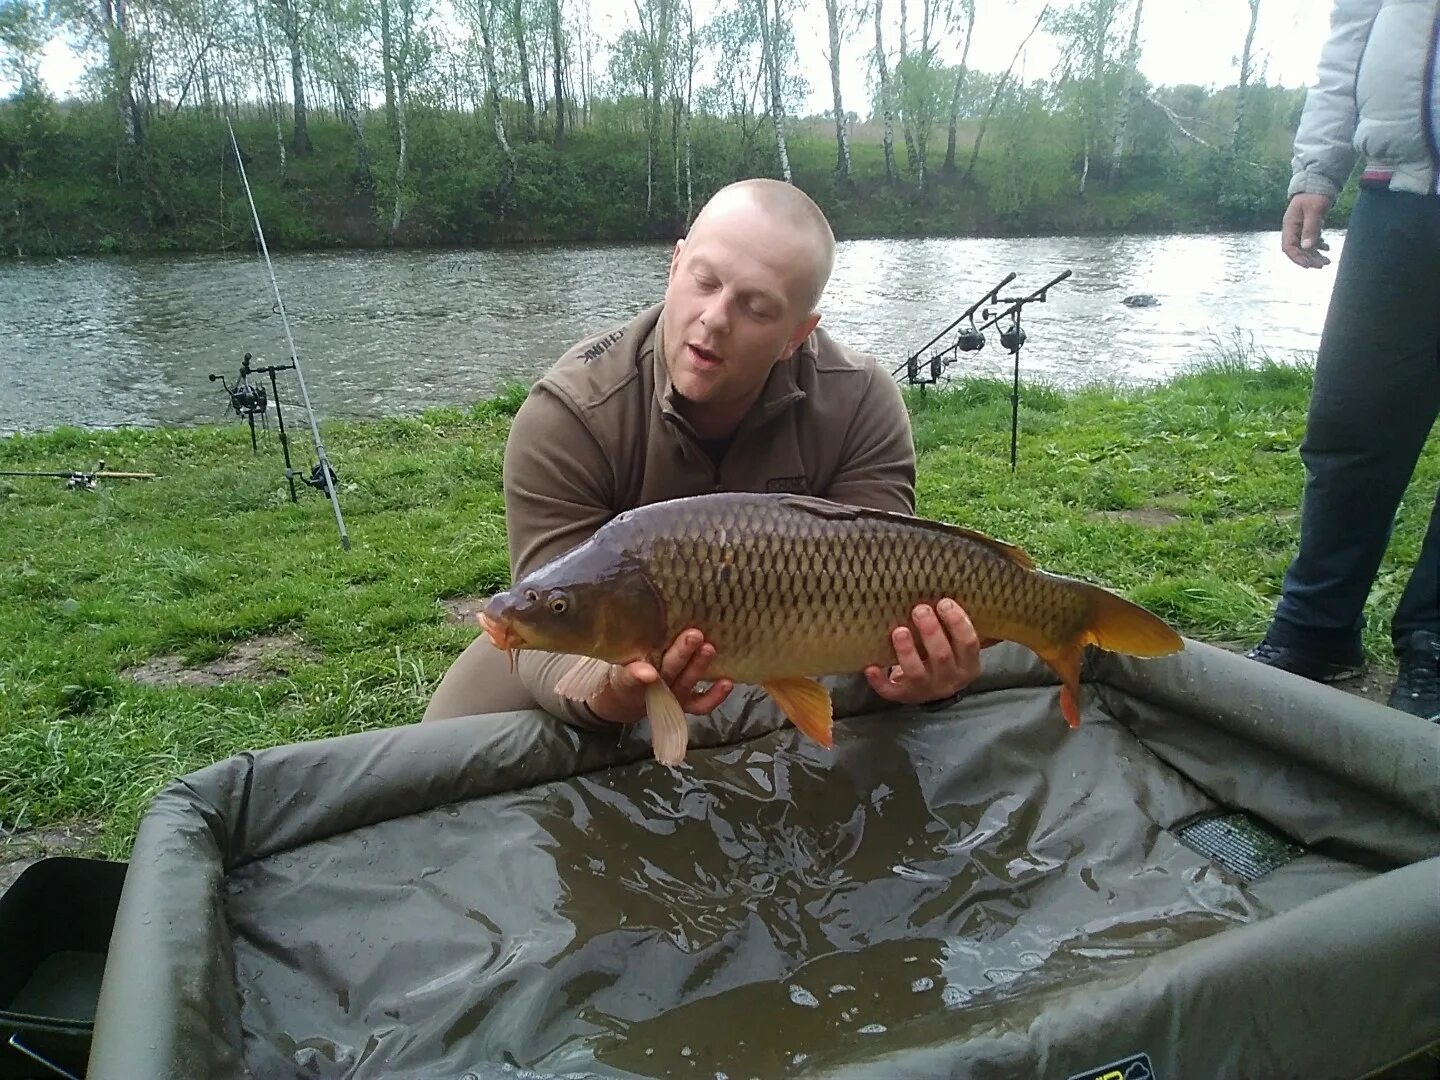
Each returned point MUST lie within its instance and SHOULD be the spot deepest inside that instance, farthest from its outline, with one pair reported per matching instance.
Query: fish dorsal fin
(844, 512)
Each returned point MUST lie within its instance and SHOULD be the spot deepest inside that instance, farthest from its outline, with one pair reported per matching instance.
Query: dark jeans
(1376, 397)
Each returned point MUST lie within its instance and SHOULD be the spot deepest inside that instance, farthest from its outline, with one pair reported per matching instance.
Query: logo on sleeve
(600, 347)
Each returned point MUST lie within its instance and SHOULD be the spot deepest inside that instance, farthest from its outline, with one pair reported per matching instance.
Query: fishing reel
(969, 339)
(247, 400)
(316, 479)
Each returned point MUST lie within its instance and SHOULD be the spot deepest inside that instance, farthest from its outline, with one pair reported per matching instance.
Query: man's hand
(1300, 230)
(951, 659)
(682, 666)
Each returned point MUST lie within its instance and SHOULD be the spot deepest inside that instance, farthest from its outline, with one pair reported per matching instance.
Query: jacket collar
(780, 392)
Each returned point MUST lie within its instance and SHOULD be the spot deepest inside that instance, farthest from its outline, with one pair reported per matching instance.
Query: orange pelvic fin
(669, 733)
(1116, 625)
(807, 704)
(1065, 662)
(584, 679)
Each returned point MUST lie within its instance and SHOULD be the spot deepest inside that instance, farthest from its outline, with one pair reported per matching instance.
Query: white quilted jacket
(1377, 96)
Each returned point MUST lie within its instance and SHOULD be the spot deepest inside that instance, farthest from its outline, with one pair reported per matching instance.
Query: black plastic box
(55, 925)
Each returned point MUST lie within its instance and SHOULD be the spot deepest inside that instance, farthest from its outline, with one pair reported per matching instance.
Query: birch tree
(557, 44)
(967, 8)
(291, 25)
(656, 22)
(1237, 134)
(887, 107)
(1084, 34)
(837, 25)
(770, 30)
(517, 24)
(1127, 95)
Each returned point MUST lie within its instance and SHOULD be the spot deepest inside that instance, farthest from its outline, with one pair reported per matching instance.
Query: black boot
(1417, 687)
(1322, 669)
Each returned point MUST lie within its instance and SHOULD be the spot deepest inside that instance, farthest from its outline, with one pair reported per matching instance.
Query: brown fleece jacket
(599, 434)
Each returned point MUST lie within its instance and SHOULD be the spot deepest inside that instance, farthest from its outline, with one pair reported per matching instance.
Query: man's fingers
(711, 699)
(694, 671)
(911, 665)
(881, 681)
(934, 637)
(632, 675)
(679, 655)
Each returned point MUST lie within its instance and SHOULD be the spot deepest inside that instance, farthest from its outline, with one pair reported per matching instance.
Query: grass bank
(1182, 496)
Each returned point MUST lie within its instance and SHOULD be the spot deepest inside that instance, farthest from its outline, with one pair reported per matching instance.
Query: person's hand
(1300, 230)
(682, 666)
(951, 659)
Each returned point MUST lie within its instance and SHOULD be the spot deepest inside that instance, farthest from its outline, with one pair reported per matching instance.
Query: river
(131, 340)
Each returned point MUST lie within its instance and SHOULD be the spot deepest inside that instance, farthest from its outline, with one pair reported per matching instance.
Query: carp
(789, 588)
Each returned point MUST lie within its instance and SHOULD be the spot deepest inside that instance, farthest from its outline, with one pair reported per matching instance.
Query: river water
(113, 341)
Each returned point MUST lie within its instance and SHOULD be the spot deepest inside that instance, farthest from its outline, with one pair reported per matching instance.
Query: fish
(792, 588)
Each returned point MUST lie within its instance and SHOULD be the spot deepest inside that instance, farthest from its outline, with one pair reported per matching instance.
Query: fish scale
(779, 587)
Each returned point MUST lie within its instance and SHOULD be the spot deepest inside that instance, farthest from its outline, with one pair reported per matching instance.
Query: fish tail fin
(1121, 626)
(669, 733)
(807, 703)
(584, 679)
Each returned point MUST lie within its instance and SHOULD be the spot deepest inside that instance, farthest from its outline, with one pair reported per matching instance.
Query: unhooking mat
(1224, 872)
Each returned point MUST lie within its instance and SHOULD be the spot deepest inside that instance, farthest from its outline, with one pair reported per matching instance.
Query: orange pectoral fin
(807, 703)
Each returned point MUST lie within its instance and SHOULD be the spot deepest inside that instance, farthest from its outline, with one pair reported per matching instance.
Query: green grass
(213, 551)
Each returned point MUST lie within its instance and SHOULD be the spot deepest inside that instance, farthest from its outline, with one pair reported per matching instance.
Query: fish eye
(558, 604)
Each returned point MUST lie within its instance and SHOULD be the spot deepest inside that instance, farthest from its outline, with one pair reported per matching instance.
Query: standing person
(727, 384)
(1377, 377)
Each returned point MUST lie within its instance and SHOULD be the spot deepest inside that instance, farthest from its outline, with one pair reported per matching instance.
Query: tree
(1084, 31)
(968, 9)
(887, 107)
(1237, 134)
(837, 27)
(24, 32)
(770, 30)
(1000, 85)
(1127, 96)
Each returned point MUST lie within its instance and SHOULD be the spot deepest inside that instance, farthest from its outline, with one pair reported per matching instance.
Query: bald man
(728, 384)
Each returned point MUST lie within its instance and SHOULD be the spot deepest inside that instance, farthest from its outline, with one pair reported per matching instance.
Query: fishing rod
(972, 339)
(911, 363)
(77, 479)
(325, 473)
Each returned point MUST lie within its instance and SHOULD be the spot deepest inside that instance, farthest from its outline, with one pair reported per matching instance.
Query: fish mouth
(503, 635)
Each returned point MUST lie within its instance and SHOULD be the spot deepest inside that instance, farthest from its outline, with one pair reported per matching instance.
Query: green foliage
(69, 182)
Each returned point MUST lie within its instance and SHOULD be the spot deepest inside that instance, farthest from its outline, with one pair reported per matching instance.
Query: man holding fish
(720, 468)
(729, 384)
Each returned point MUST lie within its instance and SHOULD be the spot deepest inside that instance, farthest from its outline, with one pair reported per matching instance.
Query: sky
(1182, 41)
